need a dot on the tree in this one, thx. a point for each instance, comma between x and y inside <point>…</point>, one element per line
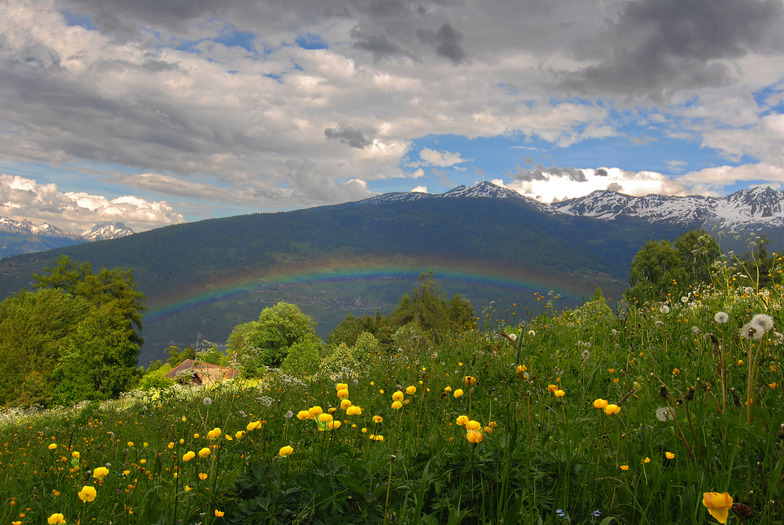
<point>267,342</point>
<point>662,269</point>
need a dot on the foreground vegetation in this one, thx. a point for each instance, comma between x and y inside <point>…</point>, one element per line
<point>584,416</point>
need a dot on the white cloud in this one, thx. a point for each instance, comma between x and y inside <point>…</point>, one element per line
<point>419,189</point>
<point>442,159</point>
<point>713,181</point>
<point>24,198</point>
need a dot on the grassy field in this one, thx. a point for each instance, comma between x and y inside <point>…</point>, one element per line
<point>583,416</point>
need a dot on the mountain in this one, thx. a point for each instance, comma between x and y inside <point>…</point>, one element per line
<point>501,250</point>
<point>25,237</point>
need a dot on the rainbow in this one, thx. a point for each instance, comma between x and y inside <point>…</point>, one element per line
<point>447,278</point>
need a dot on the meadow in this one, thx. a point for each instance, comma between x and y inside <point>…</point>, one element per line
<point>589,415</point>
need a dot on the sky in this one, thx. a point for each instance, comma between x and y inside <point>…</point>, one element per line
<point>156,112</point>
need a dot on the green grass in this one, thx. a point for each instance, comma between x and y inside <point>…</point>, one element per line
<point>542,458</point>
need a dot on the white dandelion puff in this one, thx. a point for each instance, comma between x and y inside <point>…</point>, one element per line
<point>721,317</point>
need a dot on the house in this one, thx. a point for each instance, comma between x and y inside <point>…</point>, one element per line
<point>191,372</point>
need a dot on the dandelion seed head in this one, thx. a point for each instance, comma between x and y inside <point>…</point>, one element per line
<point>721,317</point>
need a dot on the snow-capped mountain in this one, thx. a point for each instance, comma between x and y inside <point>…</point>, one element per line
<point>106,231</point>
<point>752,209</point>
<point>26,227</point>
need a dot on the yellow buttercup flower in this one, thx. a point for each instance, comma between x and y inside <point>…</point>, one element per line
<point>324,418</point>
<point>559,393</point>
<point>203,453</point>
<point>646,460</point>
<point>397,396</point>
<point>718,505</point>
<point>552,388</point>
<point>189,455</point>
<point>253,425</point>
<point>473,425</point>
<point>343,393</point>
<point>354,411</point>
<point>345,404</point>
<point>462,420</point>
<point>411,390</point>
<point>611,409</point>
<point>457,393</point>
<point>215,432</point>
<point>624,467</point>
<point>75,454</point>
<point>202,476</point>
<point>55,518</point>
<point>285,451</point>
<point>669,455</point>
<point>447,388</point>
<point>474,437</point>
<point>469,380</point>
<point>600,403</point>
<point>333,425</point>
<point>52,446</point>
<point>304,414</point>
<point>100,472</point>
<point>87,493</point>
<point>219,514</point>
<point>341,386</point>
<point>397,405</point>
<point>314,411</point>
<point>377,419</point>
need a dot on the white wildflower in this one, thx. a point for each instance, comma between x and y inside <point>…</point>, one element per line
<point>664,309</point>
<point>665,414</point>
<point>751,331</point>
<point>513,337</point>
<point>721,317</point>
<point>531,333</point>
<point>207,401</point>
<point>764,321</point>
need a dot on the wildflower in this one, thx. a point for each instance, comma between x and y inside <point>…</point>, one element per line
<point>600,403</point>
<point>289,414</point>
<point>130,444</point>
<point>664,309</point>
<point>203,453</point>
<point>531,333</point>
<point>457,393</point>
<point>253,425</point>
<point>343,393</point>
<point>474,436</point>
<point>189,455</point>
<point>333,425</point>
<point>447,388</point>
<point>411,390</point>
<point>75,454</point>
<point>721,317</point>
<point>87,493</point>
<point>624,467</point>
<point>345,403</point>
<point>341,386</point>
<point>611,409</point>
<point>462,420</point>
<point>55,518</point>
<point>215,432</point>
<point>203,476</point>
<point>521,369</point>
<point>397,405</point>
<point>669,455</point>
<point>376,437</point>
<point>354,411</point>
<point>675,371</point>
<point>718,505</point>
<point>219,514</point>
<point>552,388</point>
<point>473,425</point>
<point>239,434</point>
<point>303,414</point>
<point>397,396</point>
<point>469,380</point>
<point>559,393</point>
<point>324,418</point>
<point>207,401</point>
<point>646,460</point>
<point>561,514</point>
<point>285,451</point>
<point>377,419</point>
<point>513,337</point>
<point>314,411</point>
<point>100,472</point>
<point>52,446</point>
<point>752,331</point>
<point>665,414</point>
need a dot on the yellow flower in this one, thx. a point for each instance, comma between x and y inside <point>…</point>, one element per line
<point>215,432</point>
<point>341,386</point>
<point>189,455</point>
<point>447,389</point>
<point>397,396</point>
<point>345,404</point>
<point>600,403</point>
<point>333,425</point>
<point>188,488</point>
<point>675,371</point>
<point>202,476</point>
<point>203,453</point>
<point>469,380</point>
<point>314,411</point>
<point>354,411</point>
<point>75,454</point>
<point>473,425</point>
<point>130,443</point>
<point>411,390</point>
<point>343,393</point>
<point>462,420</point>
<point>377,419</point>
<point>52,446</point>
<point>253,425</point>
<point>303,414</point>
<point>559,393</point>
<point>474,437</point>
<point>219,514</point>
<point>171,445</point>
<point>646,460</point>
<point>612,409</point>
<point>285,451</point>
<point>669,455</point>
<point>610,370</point>
<point>376,437</point>
<point>457,393</point>
<point>87,493</point>
<point>552,388</point>
<point>718,505</point>
<point>55,518</point>
<point>624,467</point>
<point>325,417</point>
<point>100,472</point>
<point>397,405</point>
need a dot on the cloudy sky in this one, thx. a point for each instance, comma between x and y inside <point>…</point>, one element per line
<point>154,112</point>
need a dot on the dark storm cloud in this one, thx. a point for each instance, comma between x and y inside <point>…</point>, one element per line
<point>657,47</point>
<point>447,42</point>
<point>614,186</point>
<point>354,137</point>
<point>541,173</point>
<point>379,45</point>
<point>601,172</point>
